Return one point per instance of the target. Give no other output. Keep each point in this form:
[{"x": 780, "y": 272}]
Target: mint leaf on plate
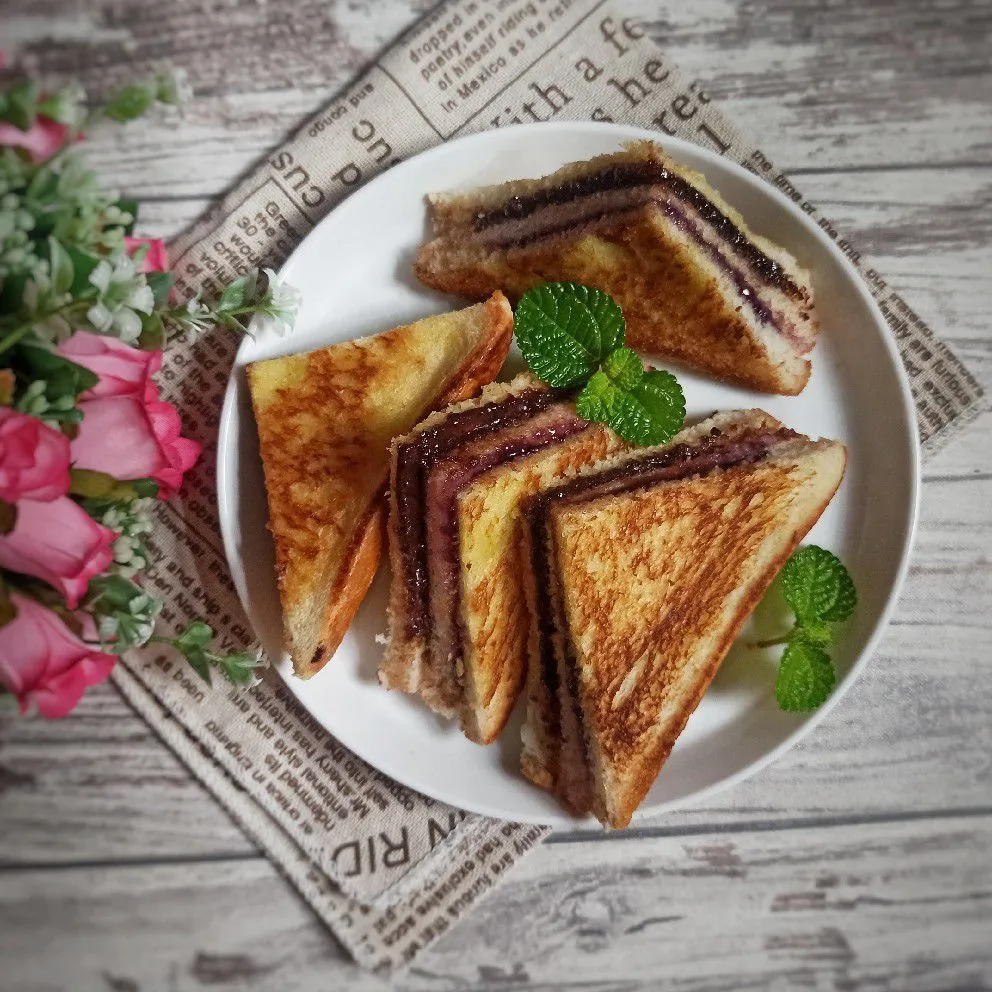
[
  {"x": 818, "y": 587},
  {"x": 642, "y": 407},
  {"x": 805, "y": 676},
  {"x": 565, "y": 331}
]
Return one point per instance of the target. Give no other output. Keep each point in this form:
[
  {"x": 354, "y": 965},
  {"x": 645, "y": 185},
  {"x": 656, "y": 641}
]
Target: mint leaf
[
  {"x": 642, "y": 407},
  {"x": 565, "y": 331},
  {"x": 818, "y": 587},
  {"x": 805, "y": 677}
]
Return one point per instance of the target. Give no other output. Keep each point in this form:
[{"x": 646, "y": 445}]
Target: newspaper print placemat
[{"x": 387, "y": 869}]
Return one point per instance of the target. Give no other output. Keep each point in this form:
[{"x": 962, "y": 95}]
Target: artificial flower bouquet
[{"x": 86, "y": 441}]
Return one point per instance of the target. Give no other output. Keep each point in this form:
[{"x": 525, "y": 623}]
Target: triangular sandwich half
[
  {"x": 457, "y": 618},
  {"x": 696, "y": 284},
  {"x": 643, "y": 572},
  {"x": 325, "y": 422}
]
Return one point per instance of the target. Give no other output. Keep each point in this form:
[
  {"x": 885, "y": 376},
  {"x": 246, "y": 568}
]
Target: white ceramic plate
[{"x": 354, "y": 270}]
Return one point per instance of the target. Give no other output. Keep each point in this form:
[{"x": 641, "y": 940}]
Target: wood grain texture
[
  {"x": 861, "y": 860},
  {"x": 881, "y": 907}
]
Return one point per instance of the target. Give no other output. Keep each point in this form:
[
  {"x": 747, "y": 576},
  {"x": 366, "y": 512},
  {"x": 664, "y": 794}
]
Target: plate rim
[{"x": 909, "y": 513}]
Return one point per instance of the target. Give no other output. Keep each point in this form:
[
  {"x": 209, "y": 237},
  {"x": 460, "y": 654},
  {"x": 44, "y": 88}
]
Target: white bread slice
[{"x": 325, "y": 421}]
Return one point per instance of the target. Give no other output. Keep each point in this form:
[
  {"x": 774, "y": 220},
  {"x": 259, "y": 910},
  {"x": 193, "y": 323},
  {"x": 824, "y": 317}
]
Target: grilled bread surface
[
  {"x": 494, "y": 611},
  {"x": 677, "y": 300},
  {"x": 649, "y": 618},
  {"x": 325, "y": 421},
  {"x": 407, "y": 663}
]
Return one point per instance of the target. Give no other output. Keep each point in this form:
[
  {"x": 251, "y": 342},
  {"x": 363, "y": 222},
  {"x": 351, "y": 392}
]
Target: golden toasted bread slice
[
  {"x": 650, "y": 571},
  {"x": 325, "y": 422},
  {"x": 457, "y": 621},
  {"x": 695, "y": 283}
]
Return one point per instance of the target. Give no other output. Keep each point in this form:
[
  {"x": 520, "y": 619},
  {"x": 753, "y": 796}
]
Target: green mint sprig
[
  {"x": 572, "y": 335},
  {"x": 820, "y": 592}
]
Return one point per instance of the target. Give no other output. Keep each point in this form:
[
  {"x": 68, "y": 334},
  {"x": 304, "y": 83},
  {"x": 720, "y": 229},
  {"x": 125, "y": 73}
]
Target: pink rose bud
[
  {"x": 127, "y": 431},
  {"x": 34, "y": 458},
  {"x": 41, "y": 142},
  {"x": 155, "y": 259},
  {"x": 59, "y": 543},
  {"x": 123, "y": 370},
  {"x": 44, "y": 663},
  {"x": 133, "y": 437}
]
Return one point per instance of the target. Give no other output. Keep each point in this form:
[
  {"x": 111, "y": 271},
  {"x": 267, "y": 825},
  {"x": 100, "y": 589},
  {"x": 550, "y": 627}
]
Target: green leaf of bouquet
[
  {"x": 145, "y": 487},
  {"x": 42, "y": 186},
  {"x": 83, "y": 263},
  {"x": 153, "y": 336},
  {"x": 199, "y": 662},
  {"x": 62, "y": 377},
  {"x": 21, "y": 105},
  {"x": 129, "y": 103},
  {"x": 62, "y": 270},
  {"x": 12, "y": 293},
  {"x": 161, "y": 284},
  {"x": 818, "y": 587},
  {"x": 235, "y": 295},
  {"x": 239, "y": 669},
  {"x": 565, "y": 331},
  {"x": 805, "y": 677},
  {"x": 195, "y": 637}
]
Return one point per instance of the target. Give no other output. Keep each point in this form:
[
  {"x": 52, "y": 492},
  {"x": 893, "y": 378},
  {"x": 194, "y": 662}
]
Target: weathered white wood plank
[
  {"x": 853, "y": 86},
  {"x": 902, "y": 906},
  {"x": 912, "y": 735}
]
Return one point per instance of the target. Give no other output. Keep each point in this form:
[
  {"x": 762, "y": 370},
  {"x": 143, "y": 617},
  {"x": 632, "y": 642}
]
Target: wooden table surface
[{"x": 862, "y": 859}]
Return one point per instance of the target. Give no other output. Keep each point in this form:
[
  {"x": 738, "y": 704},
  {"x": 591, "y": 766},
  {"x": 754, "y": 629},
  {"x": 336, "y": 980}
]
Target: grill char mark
[{"x": 710, "y": 452}]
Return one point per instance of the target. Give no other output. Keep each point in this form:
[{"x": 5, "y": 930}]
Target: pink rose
[
  {"x": 154, "y": 260},
  {"x": 127, "y": 430},
  {"x": 43, "y": 662},
  {"x": 60, "y": 543},
  {"x": 34, "y": 458},
  {"x": 41, "y": 142},
  {"x": 123, "y": 370}
]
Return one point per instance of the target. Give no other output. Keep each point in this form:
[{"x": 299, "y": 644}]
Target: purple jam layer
[
  {"x": 631, "y": 176},
  {"x": 447, "y": 480},
  {"x": 414, "y": 461}
]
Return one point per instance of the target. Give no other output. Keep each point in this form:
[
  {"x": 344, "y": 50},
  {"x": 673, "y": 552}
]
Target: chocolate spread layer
[
  {"x": 414, "y": 461},
  {"x": 713, "y": 451},
  {"x": 631, "y": 176}
]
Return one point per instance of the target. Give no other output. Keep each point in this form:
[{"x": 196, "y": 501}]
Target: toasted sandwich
[
  {"x": 695, "y": 283},
  {"x": 641, "y": 574},
  {"x": 325, "y": 422},
  {"x": 457, "y": 621}
]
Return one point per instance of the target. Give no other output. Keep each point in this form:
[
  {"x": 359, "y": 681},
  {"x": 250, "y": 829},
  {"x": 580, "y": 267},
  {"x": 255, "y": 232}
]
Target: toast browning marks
[
  {"x": 638, "y": 628},
  {"x": 694, "y": 282},
  {"x": 457, "y": 624},
  {"x": 325, "y": 421}
]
